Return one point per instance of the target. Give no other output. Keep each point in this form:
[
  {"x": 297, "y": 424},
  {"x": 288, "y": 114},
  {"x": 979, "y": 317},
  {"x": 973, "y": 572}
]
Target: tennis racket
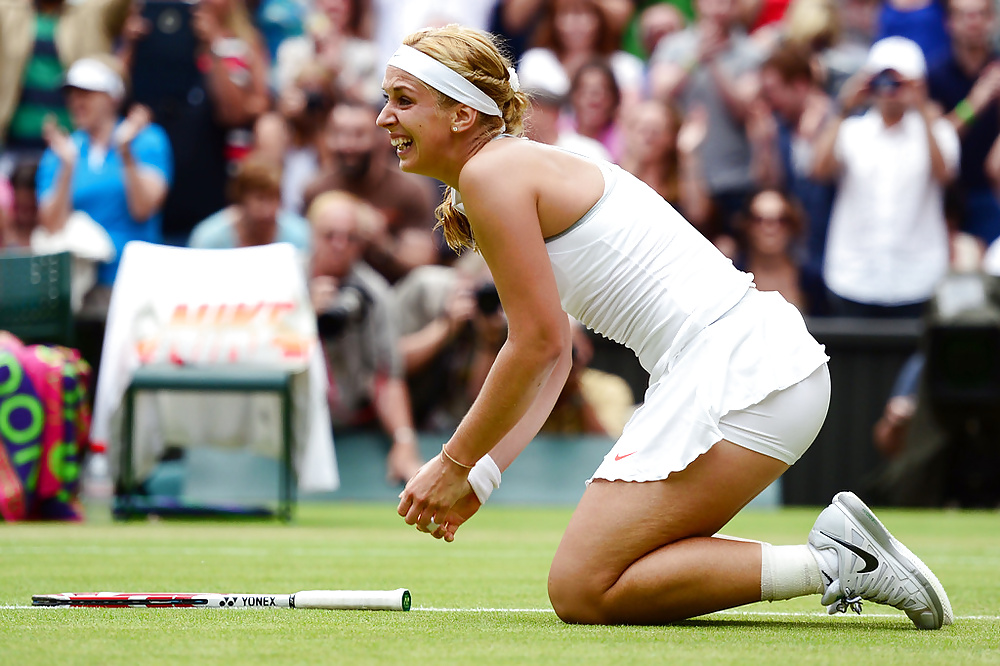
[{"x": 398, "y": 600}]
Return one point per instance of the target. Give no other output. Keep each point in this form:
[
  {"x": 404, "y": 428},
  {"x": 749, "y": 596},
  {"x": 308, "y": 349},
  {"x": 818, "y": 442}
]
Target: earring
[{"x": 454, "y": 129}]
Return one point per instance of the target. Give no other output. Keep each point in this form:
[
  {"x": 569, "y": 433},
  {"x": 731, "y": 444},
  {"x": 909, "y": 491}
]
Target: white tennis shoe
[{"x": 864, "y": 562}]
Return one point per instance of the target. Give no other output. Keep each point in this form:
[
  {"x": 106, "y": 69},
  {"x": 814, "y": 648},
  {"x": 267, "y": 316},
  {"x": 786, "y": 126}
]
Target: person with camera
[
  {"x": 358, "y": 330},
  {"x": 887, "y": 246},
  {"x": 452, "y": 328}
]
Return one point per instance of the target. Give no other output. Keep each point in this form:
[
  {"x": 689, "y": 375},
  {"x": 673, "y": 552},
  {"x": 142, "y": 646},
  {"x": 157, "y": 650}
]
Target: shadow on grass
[{"x": 796, "y": 625}]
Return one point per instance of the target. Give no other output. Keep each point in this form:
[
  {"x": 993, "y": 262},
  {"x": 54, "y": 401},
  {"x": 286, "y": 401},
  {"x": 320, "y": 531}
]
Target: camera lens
[{"x": 487, "y": 298}]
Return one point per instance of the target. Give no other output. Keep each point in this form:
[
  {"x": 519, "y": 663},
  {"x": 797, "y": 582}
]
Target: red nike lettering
[{"x": 619, "y": 457}]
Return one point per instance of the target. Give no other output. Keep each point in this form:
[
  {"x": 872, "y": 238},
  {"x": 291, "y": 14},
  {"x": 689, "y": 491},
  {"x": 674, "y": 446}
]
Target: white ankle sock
[{"x": 787, "y": 572}]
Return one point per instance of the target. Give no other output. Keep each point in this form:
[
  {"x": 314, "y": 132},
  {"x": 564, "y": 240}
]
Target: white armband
[{"x": 484, "y": 478}]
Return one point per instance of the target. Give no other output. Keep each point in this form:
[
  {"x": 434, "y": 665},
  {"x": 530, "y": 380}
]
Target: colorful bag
[{"x": 44, "y": 430}]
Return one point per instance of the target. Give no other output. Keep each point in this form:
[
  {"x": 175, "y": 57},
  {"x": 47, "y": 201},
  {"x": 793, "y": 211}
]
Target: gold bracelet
[{"x": 448, "y": 456}]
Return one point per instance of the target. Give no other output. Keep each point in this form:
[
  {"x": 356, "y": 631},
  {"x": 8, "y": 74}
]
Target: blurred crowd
[{"x": 843, "y": 151}]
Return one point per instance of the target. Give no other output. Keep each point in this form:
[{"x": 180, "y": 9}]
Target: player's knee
[{"x": 573, "y": 597}]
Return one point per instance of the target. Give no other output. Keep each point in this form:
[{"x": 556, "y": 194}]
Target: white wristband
[{"x": 484, "y": 477}]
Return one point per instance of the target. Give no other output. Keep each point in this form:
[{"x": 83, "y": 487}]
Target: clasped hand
[{"x": 438, "y": 493}]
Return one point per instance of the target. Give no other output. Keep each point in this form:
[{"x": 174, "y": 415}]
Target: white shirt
[
  {"x": 991, "y": 260},
  {"x": 888, "y": 242},
  {"x": 636, "y": 272}
]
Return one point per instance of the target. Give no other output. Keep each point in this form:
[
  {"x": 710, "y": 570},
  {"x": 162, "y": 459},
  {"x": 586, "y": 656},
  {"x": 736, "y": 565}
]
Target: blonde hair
[{"x": 479, "y": 59}]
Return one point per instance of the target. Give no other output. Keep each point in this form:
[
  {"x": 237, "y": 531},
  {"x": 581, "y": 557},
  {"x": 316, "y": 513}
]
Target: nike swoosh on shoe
[{"x": 871, "y": 561}]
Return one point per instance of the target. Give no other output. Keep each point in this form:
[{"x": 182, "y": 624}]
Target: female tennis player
[{"x": 738, "y": 387}]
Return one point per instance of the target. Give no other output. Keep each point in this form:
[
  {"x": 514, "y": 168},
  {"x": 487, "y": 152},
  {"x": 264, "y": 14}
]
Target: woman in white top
[{"x": 738, "y": 387}]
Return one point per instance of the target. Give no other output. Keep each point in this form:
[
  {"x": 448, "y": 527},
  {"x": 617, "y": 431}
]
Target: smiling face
[
  {"x": 352, "y": 138},
  {"x": 594, "y": 100},
  {"x": 416, "y": 122}
]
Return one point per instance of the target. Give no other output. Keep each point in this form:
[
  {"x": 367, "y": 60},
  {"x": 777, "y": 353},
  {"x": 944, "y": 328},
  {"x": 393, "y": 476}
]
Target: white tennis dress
[{"x": 635, "y": 271}]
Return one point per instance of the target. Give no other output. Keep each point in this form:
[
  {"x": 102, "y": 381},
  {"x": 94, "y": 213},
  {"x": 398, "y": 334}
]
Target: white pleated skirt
[{"x": 759, "y": 347}]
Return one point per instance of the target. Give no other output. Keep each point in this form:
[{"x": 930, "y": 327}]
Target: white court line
[{"x": 434, "y": 609}]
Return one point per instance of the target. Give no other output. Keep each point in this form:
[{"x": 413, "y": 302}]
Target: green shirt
[{"x": 41, "y": 89}]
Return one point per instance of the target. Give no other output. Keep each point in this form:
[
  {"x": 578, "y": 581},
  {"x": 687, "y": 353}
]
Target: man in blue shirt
[
  {"x": 255, "y": 217},
  {"x": 967, "y": 84}
]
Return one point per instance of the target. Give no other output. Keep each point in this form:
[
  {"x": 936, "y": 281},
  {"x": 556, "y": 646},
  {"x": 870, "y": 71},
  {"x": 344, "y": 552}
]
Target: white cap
[
  {"x": 899, "y": 54},
  {"x": 543, "y": 81},
  {"x": 92, "y": 74}
]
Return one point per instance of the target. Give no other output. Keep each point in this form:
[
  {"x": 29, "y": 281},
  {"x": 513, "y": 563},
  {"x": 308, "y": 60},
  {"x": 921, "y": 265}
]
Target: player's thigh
[{"x": 618, "y": 522}]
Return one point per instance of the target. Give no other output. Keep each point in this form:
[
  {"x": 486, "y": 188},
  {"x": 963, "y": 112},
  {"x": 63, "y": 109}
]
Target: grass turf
[{"x": 499, "y": 561}]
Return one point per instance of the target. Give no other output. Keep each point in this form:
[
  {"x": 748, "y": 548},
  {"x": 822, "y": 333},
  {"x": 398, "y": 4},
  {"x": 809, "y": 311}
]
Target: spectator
[
  {"x": 358, "y": 329},
  {"x": 657, "y": 21},
  {"x": 921, "y": 21},
  {"x": 838, "y": 33},
  {"x": 595, "y": 101},
  {"x": 117, "y": 171},
  {"x": 888, "y": 240},
  {"x": 272, "y": 140},
  {"x": 653, "y": 19},
  {"x": 514, "y": 22},
  {"x": 304, "y": 105},
  {"x": 38, "y": 42},
  {"x": 210, "y": 121},
  {"x": 575, "y": 411},
  {"x": 355, "y": 160},
  {"x": 713, "y": 64},
  {"x": 452, "y": 328},
  {"x": 657, "y": 155},
  {"x": 545, "y": 122},
  {"x": 966, "y": 82},
  {"x": 338, "y": 39},
  {"x": 86, "y": 240},
  {"x": 770, "y": 231},
  {"x": 236, "y": 61},
  {"x": 650, "y": 152},
  {"x": 20, "y": 218},
  {"x": 796, "y": 98},
  {"x": 571, "y": 34},
  {"x": 255, "y": 216}
]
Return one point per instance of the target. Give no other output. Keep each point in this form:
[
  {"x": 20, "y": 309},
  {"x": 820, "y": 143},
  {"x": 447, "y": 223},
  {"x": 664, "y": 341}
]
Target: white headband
[{"x": 443, "y": 79}]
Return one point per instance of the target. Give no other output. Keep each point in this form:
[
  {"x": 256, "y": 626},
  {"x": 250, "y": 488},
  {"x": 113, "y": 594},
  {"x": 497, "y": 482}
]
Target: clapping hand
[
  {"x": 987, "y": 87},
  {"x": 60, "y": 142},
  {"x": 137, "y": 119}
]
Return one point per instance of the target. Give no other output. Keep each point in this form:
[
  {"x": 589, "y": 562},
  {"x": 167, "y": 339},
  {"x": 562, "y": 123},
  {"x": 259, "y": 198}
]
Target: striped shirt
[{"x": 41, "y": 91}]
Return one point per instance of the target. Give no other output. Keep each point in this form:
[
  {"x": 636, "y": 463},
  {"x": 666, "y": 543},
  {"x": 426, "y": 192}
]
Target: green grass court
[{"x": 480, "y": 600}]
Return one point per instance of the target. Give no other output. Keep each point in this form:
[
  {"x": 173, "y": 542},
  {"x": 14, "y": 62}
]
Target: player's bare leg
[{"x": 644, "y": 553}]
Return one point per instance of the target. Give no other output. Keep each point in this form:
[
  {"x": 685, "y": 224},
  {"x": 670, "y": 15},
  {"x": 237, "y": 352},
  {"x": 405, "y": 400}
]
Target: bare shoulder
[
  {"x": 504, "y": 160},
  {"x": 523, "y": 164},
  {"x": 550, "y": 185}
]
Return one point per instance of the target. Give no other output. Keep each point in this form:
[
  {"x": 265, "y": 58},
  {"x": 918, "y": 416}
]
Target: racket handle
[{"x": 398, "y": 600}]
